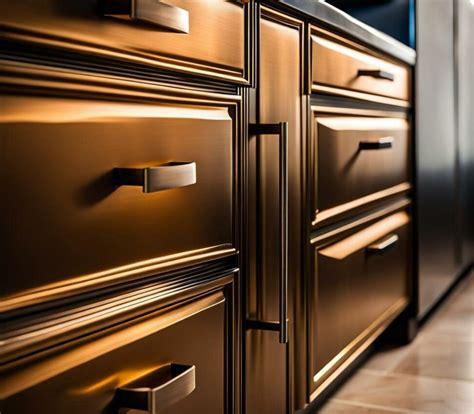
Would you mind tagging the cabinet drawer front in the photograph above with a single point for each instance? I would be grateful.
(85, 378)
(66, 220)
(359, 283)
(348, 170)
(216, 43)
(339, 65)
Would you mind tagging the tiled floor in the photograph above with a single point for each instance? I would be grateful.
(434, 374)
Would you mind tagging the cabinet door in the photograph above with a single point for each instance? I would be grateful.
(205, 37)
(68, 223)
(358, 160)
(278, 100)
(359, 284)
(172, 359)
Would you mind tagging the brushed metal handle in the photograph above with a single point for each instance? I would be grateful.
(162, 177)
(377, 73)
(383, 245)
(153, 12)
(280, 129)
(157, 390)
(381, 143)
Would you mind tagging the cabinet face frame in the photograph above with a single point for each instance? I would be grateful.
(264, 109)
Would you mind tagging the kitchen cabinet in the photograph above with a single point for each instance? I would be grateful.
(210, 206)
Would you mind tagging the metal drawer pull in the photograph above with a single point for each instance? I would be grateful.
(161, 177)
(383, 245)
(381, 143)
(154, 12)
(281, 326)
(379, 74)
(171, 384)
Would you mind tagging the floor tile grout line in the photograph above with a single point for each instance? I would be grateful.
(377, 406)
(402, 375)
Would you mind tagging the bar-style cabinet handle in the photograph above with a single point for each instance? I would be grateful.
(381, 246)
(162, 177)
(379, 74)
(157, 390)
(280, 129)
(381, 143)
(155, 12)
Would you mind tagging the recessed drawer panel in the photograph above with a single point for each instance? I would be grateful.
(171, 361)
(360, 282)
(357, 160)
(94, 191)
(202, 37)
(338, 64)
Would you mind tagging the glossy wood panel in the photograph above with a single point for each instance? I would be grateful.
(277, 99)
(345, 176)
(82, 376)
(336, 62)
(355, 291)
(218, 43)
(67, 223)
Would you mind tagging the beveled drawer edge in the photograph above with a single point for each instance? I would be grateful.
(341, 249)
(398, 205)
(35, 76)
(344, 110)
(332, 90)
(379, 195)
(354, 349)
(115, 276)
(40, 332)
(135, 330)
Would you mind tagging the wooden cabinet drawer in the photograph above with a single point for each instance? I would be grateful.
(216, 44)
(337, 63)
(357, 160)
(185, 350)
(69, 225)
(359, 284)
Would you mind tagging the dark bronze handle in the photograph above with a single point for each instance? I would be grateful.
(149, 11)
(161, 177)
(281, 326)
(381, 143)
(379, 74)
(157, 390)
(383, 245)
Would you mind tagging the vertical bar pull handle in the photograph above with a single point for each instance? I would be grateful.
(280, 129)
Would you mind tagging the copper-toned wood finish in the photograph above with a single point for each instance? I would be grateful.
(357, 160)
(342, 64)
(64, 218)
(217, 44)
(277, 99)
(355, 292)
(83, 375)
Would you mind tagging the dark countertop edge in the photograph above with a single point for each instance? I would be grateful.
(331, 17)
